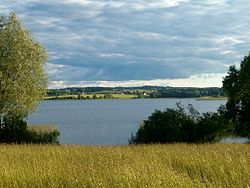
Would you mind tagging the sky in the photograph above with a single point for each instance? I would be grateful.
(181, 43)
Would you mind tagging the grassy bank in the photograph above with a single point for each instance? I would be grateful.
(211, 98)
(176, 165)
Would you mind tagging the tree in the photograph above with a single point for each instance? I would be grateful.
(22, 77)
(108, 96)
(232, 89)
(237, 87)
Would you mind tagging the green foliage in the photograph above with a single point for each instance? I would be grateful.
(211, 128)
(108, 96)
(15, 130)
(180, 125)
(22, 77)
(179, 92)
(237, 87)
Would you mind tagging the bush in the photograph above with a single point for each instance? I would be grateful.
(211, 127)
(108, 96)
(180, 125)
(14, 129)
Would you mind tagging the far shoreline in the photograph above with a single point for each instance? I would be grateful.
(73, 97)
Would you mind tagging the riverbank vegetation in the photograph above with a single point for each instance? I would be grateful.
(42, 134)
(182, 124)
(174, 165)
(16, 130)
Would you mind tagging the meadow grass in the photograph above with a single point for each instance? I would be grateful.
(174, 165)
(124, 96)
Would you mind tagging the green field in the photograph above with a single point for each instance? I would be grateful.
(175, 165)
(211, 98)
(90, 96)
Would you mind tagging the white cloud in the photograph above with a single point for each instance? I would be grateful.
(81, 2)
(199, 80)
(48, 22)
(229, 40)
(111, 55)
(158, 40)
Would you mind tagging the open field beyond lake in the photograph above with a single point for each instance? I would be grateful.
(175, 165)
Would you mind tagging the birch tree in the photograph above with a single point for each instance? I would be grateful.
(23, 80)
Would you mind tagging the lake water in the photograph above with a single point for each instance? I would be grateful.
(105, 121)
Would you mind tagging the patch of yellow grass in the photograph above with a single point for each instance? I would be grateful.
(124, 96)
(42, 128)
(175, 165)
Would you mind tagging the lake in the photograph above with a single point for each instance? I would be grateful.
(105, 122)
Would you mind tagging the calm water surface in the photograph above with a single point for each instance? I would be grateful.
(105, 121)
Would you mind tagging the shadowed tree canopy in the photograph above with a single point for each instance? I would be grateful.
(237, 87)
(22, 77)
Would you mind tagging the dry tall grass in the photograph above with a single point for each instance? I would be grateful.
(175, 165)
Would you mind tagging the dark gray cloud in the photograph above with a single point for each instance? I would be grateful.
(137, 40)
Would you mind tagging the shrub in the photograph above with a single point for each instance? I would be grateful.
(14, 129)
(211, 127)
(180, 125)
(108, 96)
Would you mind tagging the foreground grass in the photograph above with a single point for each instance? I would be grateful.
(176, 165)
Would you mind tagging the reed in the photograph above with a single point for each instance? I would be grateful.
(42, 134)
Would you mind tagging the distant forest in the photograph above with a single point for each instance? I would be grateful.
(143, 92)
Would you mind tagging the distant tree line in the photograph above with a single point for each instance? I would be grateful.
(178, 92)
(152, 91)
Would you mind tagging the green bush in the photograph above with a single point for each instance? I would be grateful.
(108, 96)
(14, 129)
(211, 127)
(180, 125)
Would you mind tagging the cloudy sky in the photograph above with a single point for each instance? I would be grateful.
(137, 42)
